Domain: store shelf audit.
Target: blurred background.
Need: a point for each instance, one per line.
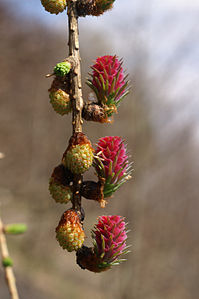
(159, 121)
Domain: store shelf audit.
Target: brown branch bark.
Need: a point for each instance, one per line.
(76, 90)
(76, 85)
(9, 274)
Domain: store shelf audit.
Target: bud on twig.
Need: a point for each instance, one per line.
(62, 68)
(93, 7)
(15, 229)
(94, 191)
(7, 262)
(95, 112)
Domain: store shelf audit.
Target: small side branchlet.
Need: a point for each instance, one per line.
(110, 160)
(7, 262)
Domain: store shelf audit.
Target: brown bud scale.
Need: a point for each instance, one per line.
(60, 83)
(62, 175)
(78, 138)
(95, 112)
(94, 191)
(91, 7)
(87, 259)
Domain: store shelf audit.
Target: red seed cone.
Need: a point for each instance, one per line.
(108, 82)
(78, 157)
(112, 163)
(69, 232)
(109, 239)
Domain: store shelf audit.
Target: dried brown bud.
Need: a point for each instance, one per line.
(93, 7)
(91, 190)
(95, 112)
(62, 175)
(88, 259)
(78, 138)
(60, 83)
(86, 7)
(94, 191)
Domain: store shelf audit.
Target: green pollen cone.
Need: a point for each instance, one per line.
(62, 69)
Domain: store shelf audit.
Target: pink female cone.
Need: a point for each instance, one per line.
(108, 82)
(111, 163)
(109, 239)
